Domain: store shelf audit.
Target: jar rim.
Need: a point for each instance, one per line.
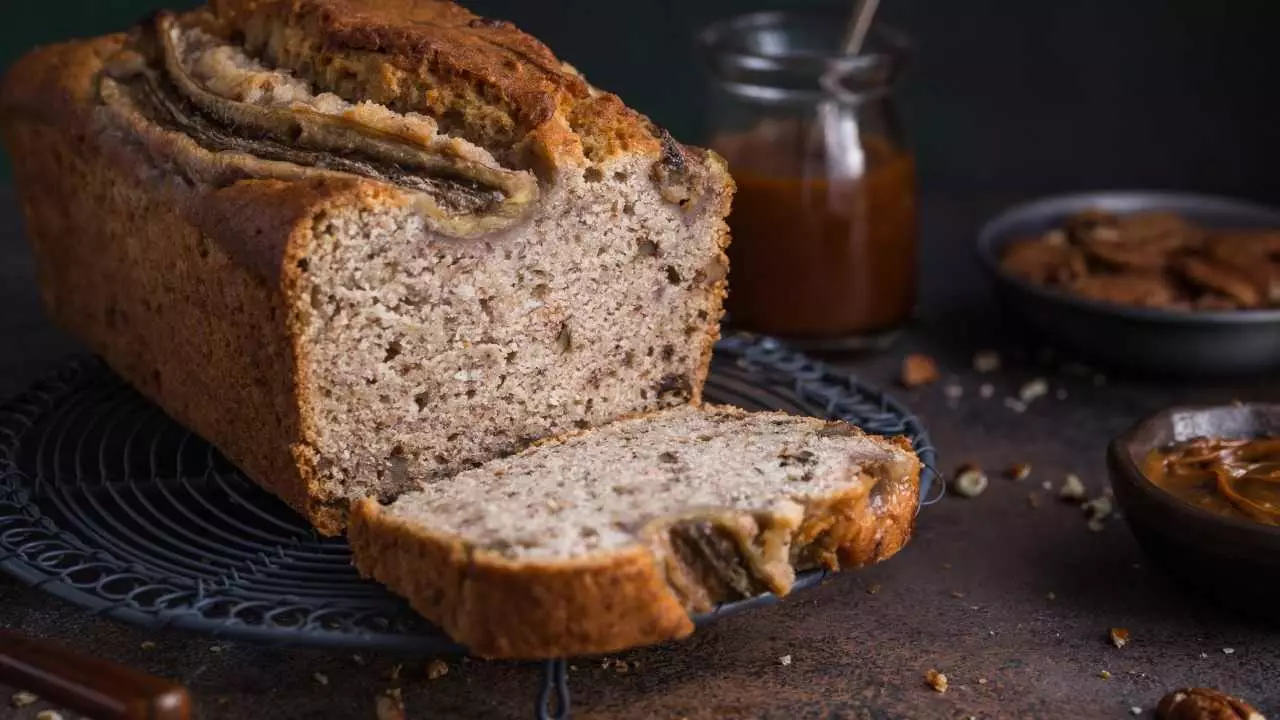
(892, 48)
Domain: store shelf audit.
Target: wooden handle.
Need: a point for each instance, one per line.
(88, 685)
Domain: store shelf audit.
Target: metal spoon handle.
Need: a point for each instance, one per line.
(859, 25)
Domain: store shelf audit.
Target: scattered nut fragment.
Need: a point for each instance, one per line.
(437, 669)
(986, 361)
(391, 705)
(969, 481)
(215, 649)
(1119, 637)
(1033, 390)
(1204, 704)
(1020, 471)
(1015, 405)
(957, 594)
(148, 645)
(1100, 507)
(321, 678)
(22, 698)
(1105, 674)
(918, 370)
(936, 680)
(49, 715)
(1135, 710)
(982, 681)
(1098, 510)
(1228, 651)
(785, 660)
(1072, 488)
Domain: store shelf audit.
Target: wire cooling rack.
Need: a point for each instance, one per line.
(107, 503)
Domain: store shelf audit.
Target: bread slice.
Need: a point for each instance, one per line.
(613, 537)
(363, 244)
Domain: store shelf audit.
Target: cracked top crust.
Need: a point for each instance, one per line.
(480, 78)
(470, 120)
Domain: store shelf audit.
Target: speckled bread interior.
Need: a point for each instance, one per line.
(359, 245)
(614, 537)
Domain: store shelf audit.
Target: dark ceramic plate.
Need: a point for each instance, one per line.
(1235, 562)
(1169, 342)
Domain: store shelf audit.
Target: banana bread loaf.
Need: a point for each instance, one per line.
(361, 244)
(611, 538)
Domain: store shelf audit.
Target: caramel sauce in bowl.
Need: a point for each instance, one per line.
(1237, 478)
(1198, 489)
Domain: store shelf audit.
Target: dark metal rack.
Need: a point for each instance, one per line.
(107, 503)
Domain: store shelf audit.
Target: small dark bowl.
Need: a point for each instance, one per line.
(1166, 342)
(1234, 562)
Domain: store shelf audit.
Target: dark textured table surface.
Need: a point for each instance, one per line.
(1011, 602)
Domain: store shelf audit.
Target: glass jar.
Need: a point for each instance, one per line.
(824, 249)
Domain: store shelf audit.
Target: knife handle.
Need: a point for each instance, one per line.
(100, 689)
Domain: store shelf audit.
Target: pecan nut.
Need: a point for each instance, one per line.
(1204, 704)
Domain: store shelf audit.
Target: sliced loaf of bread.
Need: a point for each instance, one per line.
(612, 538)
(362, 244)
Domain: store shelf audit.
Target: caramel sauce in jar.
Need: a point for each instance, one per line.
(824, 249)
(815, 256)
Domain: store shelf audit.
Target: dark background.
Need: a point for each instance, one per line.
(1025, 96)
(1009, 98)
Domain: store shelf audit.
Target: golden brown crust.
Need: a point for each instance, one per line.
(175, 289)
(434, 57)
(257, 220)
(721, 202)
(501, 608)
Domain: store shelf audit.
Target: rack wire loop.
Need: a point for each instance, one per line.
(553, 697)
